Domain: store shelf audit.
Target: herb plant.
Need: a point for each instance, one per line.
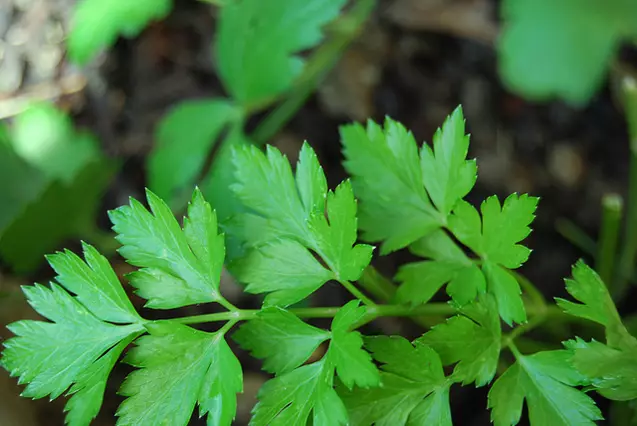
(296, 235)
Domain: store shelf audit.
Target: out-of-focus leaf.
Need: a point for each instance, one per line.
(61, 211)
(185, 137)
(44, 137)
(20, 184)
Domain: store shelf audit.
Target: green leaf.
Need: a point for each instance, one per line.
(507, 293)
(179, 367)
(179, 267)
(353, 364)
(279, 337)
(420, 281)
(289, 399)
(413, 387)
(89, 386)
(185, 137)
(57, 177)
(51, 356)
(20, 185)
(95, 284)
(60, 212)
(447, 175)
(335, 238)
(495, 239)
(257, 43)
(285, 269)
(290, 219)
(472, 340)
(546, 381)
(613, 372)
(96, 24)
(597, 305)
(568, 55)
(44, 137)
(503, 227)
(266, 186)
(388, 181)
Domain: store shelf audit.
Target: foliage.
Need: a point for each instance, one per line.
(296, 235)
(256, 51)
(97, 23)
(57, 176)
(562, 48)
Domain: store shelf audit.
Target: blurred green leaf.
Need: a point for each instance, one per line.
(258, 43)
(562, 48)
(185, 137)
(20, 184)
(62, 211)
(44, 137)
(97, 23)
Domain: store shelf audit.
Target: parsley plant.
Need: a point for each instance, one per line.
(295, 235)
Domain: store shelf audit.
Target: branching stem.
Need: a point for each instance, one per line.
(356, 292)
(325, 312)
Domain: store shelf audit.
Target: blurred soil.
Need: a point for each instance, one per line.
(416, 61)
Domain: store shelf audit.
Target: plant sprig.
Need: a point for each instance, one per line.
(293, 235)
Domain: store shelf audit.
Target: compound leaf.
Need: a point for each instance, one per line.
(546, 380)
(266, 185)
(289, 399)
(353, 364)
(471, 339)
(179, 367)
(447, 175)
(613, 372)
(507, 293)
(447, 263)
(388, 181)
(495, 239)
(257, 43)
(503, 227)
(95, 284)
(291, 219)
(96, 24)
(51, 356)
(284, 268)
(336, 237)
(413, 387)
(282, 339)
(597, 305)
(180, 267)
(88, 389)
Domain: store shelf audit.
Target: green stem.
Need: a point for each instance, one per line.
(629, 249)
(534, 322)
(226, 304)
(612, 206)
(356, 292)
(514, 349)
(377, 285)
(348, 28)
(324, 312)
(576, 236)
(227, 326)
